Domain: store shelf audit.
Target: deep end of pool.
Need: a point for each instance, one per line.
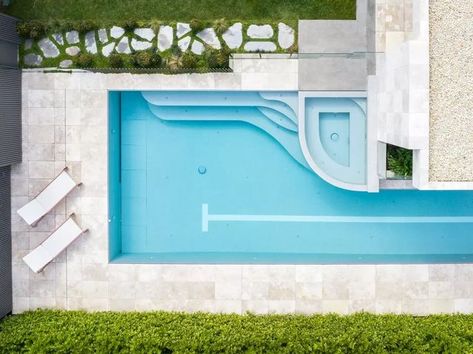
(222, 177)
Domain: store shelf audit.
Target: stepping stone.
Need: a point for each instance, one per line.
(65, 63)
(103, 38)
(165, 38)
(183, 43)
(260, 31)
(209, 36)
(140, 45)
(33, 59)
(233, 36)
(116, 32)
(28, 44)
(260, 47)
(90, 43)
(58, 38)
(108, 49)
(48, 48)
(145, 33)
(123, 46)
(72, 51)
(197, 47)
(285, 35)
(182, 29)
(72, 37)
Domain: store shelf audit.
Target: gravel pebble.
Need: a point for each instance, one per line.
(451, 90)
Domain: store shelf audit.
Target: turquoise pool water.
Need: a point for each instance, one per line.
(197, 178)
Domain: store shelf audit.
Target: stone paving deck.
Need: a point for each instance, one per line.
(64, 122)
(322, 43)
(451, 95)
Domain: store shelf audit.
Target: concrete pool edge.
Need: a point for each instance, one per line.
(228, 259)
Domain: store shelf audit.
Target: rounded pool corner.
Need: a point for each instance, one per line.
(332, 132)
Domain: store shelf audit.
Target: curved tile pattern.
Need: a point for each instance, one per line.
(276, 117)
(287, 139)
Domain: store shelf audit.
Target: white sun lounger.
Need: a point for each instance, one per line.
(48, 198)
(57, 242)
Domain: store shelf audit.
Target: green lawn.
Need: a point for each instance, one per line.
(172, 10)
(134, 332)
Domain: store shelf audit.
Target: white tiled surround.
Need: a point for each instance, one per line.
(65, 123)
(403, 94)
(403, 73)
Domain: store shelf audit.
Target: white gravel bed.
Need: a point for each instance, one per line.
(451, 95)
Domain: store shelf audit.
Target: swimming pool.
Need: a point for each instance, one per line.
(220, 177)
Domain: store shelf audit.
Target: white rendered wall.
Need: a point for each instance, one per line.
(403, 82)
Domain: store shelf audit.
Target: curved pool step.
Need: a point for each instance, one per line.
(288, 139)
(222, 99)
(333, 140)
(288, 98)
(278, 118)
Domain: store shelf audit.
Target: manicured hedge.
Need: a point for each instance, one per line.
(108, 332)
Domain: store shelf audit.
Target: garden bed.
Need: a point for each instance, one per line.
(47, 24)
(399, 162)
(108, 332)
(195, 45)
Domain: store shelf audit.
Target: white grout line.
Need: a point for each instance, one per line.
(206, 218)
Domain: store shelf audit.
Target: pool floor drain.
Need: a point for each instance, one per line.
(202, 170)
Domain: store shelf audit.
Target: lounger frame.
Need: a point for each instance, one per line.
(71, 216)
(65, 169)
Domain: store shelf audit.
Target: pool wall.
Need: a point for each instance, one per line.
(114, 181)
(83, 278)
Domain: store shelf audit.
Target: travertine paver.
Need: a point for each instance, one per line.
(103, 37)
(90, 42)
(165, 38)
(183, 43)
(58, 38)
(285, 36)
(72, 37)
(233, 36)
(48, 48)
(108, 49)
(116, 32)
(209, 37)
(451, 93)
(72, 51)
(140, 45)
(182, 29)
(33, 59)
(260, 46)
(145, 33)
(123, 46)
(65, 63)
(197, 47)
(260, 31)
